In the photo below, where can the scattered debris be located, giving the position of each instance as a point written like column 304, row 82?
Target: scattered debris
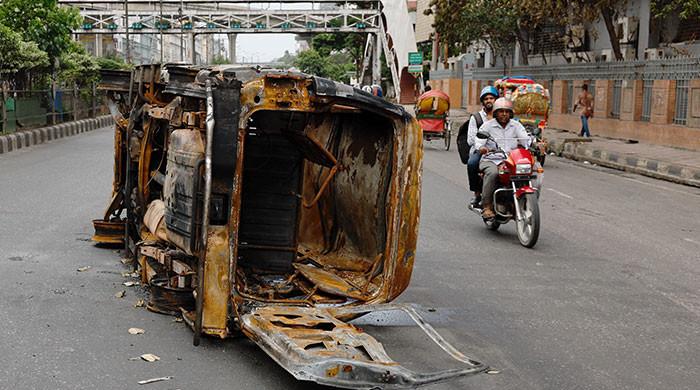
column 153, row 380
column 136, row 331
column 126, row 261
column 120, row 294
column 493, row 371
column 129, row 284
column 126, row 274
column 15, row 258
column 586, row 162
column 149, row 357
column 140, row 303
column 177, row 319
column 83, row 269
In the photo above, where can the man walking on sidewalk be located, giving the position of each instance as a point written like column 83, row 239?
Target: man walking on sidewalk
column 585, row 100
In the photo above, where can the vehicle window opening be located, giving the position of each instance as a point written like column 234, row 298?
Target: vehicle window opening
column 313, row 197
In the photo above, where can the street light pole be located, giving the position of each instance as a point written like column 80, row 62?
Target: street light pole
column 126, row 21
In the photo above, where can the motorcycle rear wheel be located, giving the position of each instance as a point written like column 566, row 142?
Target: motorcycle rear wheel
column 528, row 228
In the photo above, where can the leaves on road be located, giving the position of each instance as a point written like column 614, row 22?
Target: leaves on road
column 83, row 269
column 120, row 294
column 136, row 331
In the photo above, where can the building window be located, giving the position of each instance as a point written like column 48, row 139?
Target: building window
column 616, row 98
column 646, row 100
column 680, row 116
column 570, row 96
column 591, row 88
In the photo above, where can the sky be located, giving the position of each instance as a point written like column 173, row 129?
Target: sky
column 263, row 47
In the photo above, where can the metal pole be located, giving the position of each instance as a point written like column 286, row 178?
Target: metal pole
column 160, row 23
column 182, row 33
column 205, row 216
column 126, row 22
column 194, row 47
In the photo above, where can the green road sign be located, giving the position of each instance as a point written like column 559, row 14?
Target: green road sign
column 415, row 68
column 415, row 58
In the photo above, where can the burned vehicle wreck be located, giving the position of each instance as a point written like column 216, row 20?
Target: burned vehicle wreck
column 276, row 204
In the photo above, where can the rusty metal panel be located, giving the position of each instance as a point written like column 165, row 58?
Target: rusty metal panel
column 313, row 344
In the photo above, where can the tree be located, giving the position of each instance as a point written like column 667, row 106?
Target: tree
column 686, row 9
column 17, row 55
column 334, row 67
column 43, row 22
column 351, row 44
column 77, row 66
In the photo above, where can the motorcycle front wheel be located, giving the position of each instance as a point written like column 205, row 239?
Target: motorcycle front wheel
column 529, row 227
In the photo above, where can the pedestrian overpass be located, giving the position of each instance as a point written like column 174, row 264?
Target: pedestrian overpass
column 385, row 23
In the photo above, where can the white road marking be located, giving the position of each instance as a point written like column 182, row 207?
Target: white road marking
column 658, row 186
column 561, row 193
column 693, row 241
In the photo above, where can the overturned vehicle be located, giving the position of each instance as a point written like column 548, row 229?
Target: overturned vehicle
column 275, row 204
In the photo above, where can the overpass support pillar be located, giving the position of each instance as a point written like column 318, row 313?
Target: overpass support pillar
column 377, row 60
column 232, row 48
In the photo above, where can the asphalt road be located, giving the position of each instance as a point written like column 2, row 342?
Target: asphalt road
column 608, row 299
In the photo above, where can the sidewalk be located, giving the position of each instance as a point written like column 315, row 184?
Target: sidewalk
column 661, row 162
column 26, row 138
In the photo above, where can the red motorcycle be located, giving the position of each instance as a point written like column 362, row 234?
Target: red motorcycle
column 519, row 180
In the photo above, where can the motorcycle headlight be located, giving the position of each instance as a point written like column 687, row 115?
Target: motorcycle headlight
column 521, row 169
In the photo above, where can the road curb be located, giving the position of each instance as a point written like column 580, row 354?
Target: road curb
column 648, row 167
column 27, row 138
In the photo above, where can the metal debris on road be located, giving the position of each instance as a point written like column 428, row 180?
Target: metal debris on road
column 129, row 284
column 140, row 303
column 493, row 372
column 120, row 294
column 153, row 380
column 83, row 269
column 136, row 331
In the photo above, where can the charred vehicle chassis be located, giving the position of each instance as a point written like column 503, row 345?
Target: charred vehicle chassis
column 275, row 204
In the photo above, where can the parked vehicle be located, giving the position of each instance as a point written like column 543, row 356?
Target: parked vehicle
column 531, row 104
column 519, row 181
column 432, row 112
column 277, row 205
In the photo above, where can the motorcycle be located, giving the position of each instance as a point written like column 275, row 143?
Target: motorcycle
column 519, row 181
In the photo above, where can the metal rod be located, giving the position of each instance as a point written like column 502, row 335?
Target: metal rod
column 205, row 215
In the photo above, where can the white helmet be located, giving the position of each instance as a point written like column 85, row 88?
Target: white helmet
column 503, row 104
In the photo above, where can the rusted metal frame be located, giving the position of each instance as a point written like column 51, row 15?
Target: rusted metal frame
column 205, row 215
column 286, row 347
column 411, row 311
column 235, row 217
column 270, row 247
column 330, row 176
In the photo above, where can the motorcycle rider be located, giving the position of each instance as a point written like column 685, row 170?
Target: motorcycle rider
column 488, row 96
column 508, row 133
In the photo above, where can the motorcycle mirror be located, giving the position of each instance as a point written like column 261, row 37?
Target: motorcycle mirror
column 482, row 135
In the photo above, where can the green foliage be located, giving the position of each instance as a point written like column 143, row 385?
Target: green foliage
column 77, row 66
column 351, row 44
column 501, row 23
column 220, row 60
column 334, row 67
column 112, row 62
column 686, row 9
column 43, row 22
column 17, row 55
